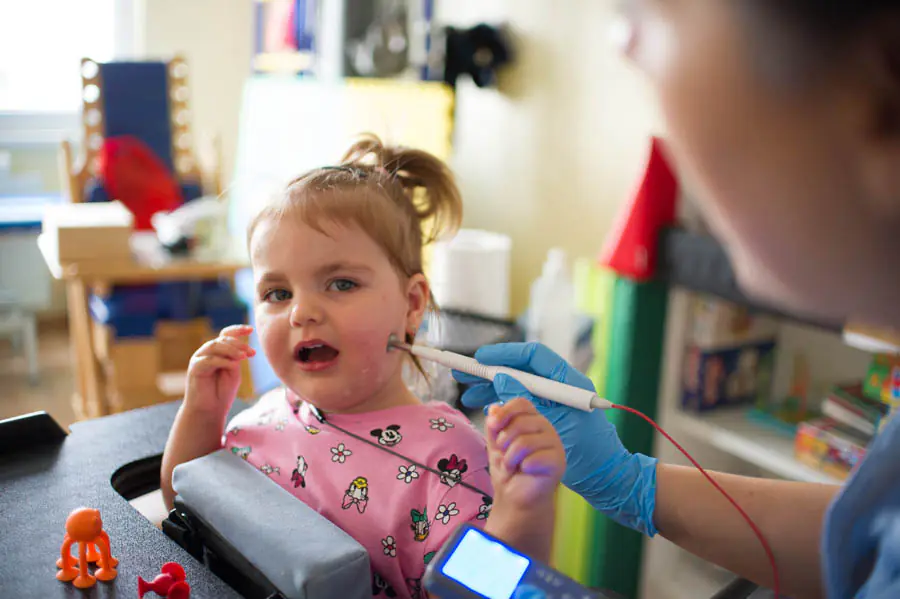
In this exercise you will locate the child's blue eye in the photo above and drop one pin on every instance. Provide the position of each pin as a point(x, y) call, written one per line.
point(277, 295)
point(342, 285)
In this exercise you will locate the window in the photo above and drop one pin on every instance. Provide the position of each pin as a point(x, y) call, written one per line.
point(42, 43)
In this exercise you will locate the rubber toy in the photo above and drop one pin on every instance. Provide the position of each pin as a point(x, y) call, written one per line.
point(171, 573)
point(84, 526)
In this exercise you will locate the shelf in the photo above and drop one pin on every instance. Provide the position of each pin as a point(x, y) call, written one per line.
point(698, 262)
point(730, 431)
point(871, 339)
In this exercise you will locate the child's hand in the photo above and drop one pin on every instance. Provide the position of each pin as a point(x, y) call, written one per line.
point(526, 455)
point(214, 374)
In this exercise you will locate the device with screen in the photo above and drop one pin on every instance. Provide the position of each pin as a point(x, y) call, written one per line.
point(475, 565)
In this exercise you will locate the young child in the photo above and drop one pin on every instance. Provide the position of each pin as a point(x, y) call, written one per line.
point(338, 265)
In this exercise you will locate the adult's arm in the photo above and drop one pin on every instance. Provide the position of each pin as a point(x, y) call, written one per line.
point(695, 516)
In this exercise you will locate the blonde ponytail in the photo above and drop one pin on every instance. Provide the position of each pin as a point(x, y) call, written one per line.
point(426, 182)
point(401, 197)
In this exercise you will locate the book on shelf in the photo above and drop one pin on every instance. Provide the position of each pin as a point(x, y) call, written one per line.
point(849, 406)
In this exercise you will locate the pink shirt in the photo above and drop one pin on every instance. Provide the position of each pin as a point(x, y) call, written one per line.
point(399, 511)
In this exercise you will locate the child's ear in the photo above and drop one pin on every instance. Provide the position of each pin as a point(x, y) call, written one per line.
point(418, 294)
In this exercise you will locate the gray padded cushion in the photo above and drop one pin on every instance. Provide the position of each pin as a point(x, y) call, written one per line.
point(300, 552)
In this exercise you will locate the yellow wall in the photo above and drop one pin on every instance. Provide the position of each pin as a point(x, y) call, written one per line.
point(216, 38)
point(550, 157)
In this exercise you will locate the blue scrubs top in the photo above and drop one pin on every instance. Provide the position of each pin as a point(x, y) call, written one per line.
point(861, 538)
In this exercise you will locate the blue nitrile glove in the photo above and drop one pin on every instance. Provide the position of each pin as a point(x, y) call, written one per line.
point(620, 484)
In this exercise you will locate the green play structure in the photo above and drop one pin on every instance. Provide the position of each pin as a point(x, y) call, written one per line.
point(629, 317)
point(628, 306)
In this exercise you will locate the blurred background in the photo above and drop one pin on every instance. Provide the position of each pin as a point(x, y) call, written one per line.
point(548, 131)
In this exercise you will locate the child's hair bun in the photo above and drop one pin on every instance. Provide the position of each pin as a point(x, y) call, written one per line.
point(424, 180)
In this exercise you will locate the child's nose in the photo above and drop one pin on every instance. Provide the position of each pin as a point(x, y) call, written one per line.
point(305, 311)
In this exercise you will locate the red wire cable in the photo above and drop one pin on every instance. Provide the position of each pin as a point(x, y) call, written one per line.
point(759, 534)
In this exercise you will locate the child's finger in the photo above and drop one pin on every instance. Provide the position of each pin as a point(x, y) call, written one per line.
point(207, 364)
point(499, 473)
point(218, 347)
point(542, 462)
point(238, 343)
point(236, 330)
point(500, 415)
point(522, 424)
point(523, 446)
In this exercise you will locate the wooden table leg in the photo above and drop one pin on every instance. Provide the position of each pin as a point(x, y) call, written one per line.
point(87, 371)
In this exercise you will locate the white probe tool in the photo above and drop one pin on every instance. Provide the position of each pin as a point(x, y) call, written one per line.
point(544, 388)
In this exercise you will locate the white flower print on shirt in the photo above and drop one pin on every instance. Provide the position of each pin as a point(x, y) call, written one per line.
point(281, 424)
point(408, 473)
point(441, 424)
point(445, 512)
point(270, 470)
point(340, 453)
point(390, 546)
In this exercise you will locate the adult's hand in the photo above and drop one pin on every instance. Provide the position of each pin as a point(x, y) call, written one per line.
point(614, 481)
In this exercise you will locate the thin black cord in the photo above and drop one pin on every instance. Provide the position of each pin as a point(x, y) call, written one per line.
point(321, 418)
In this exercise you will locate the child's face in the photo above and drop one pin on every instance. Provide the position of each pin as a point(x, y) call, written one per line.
point(325, 308)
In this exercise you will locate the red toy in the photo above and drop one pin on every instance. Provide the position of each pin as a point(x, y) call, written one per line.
point(179, 590)
point(169, 581)
point(632, 247)
point(134, 175)
point(84, 526)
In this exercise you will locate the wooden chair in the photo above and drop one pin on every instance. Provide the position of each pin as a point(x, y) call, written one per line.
point(147, 100)
point(122, 369)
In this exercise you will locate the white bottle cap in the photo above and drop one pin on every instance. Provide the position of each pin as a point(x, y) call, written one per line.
point(555, 262)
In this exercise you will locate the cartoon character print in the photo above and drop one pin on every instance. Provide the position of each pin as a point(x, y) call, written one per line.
point(420, 525)
point(389, 436)
point(414, 585)
point(298, 476)
point(357, 494)
point(380, 585)
point(452, 469)
point(269, 469)
point(484, 510)
point(242, 452)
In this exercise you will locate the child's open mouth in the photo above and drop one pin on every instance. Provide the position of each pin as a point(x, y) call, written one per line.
point(315, 355)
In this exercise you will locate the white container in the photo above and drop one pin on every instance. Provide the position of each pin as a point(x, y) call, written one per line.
point(552, 315)
point(470, 272)
point(203, 221)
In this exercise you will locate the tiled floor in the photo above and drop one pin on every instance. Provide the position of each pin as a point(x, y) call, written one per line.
point(52, 394)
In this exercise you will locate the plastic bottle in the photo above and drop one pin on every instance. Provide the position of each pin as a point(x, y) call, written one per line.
point(552, 315)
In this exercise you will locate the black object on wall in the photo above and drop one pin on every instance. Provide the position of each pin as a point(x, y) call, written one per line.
point(478, 52)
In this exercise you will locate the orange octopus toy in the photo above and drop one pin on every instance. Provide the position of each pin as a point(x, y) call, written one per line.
point(84, 526)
